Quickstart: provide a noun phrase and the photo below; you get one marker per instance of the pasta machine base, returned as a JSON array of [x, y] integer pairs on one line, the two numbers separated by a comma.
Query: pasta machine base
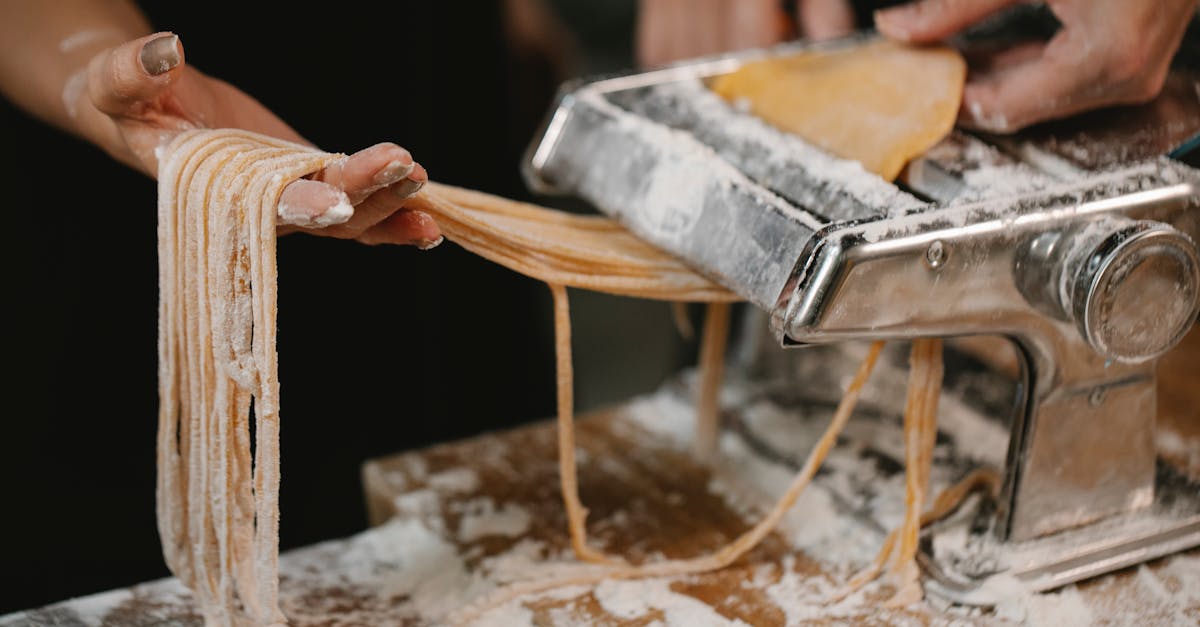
[[1076, 241]]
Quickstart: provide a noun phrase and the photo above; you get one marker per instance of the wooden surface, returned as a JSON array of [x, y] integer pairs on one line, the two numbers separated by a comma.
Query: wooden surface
[[458, 519]]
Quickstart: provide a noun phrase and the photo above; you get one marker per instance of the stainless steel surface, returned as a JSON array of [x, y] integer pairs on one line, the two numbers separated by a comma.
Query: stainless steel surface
[[1085, 450], [974, 572], [1087, 263], [1134, 293]]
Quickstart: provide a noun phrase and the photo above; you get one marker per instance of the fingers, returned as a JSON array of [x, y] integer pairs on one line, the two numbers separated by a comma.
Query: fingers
[[122, 81], [379, 218], [751, 24], [671, 30], [926, 21], [1024, 87], [825, 19], [368, 171], [1058, 82], [380, 205], [406, 226], [313, 204]]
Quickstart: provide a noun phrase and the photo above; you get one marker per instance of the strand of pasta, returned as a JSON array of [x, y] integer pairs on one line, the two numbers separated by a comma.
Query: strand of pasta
[[528, 239], [713, 561], [711, 372], [576, 512], [920, 433], [217, 509], [947, 501], [217, 270]]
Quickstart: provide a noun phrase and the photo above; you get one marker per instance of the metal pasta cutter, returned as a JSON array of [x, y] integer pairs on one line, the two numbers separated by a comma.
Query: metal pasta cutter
[[1076, 241]]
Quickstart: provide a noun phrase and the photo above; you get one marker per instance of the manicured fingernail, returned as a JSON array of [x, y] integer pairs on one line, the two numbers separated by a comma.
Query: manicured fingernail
[[427, 244], [408, 187], [337, 214], [303, 216], [983, 121], [160, 55], [393, 171]]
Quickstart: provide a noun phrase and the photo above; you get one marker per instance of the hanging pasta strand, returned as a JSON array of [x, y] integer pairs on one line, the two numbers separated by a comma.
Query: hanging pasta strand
[[576, 512], [920, 433], [711, 372], [720, 558], [217, 508]]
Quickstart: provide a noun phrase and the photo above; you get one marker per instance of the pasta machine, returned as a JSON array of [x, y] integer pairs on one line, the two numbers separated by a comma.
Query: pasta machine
[[1077, 241]]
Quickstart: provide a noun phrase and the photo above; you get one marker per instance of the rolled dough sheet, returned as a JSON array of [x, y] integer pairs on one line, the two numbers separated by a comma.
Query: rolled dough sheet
[[880, 103]]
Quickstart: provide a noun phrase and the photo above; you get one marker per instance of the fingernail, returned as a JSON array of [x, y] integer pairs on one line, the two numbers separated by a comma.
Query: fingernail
[[337, 214], [160, 55], [982, 121], [302, 215], [392, 172], [427, 244], [408, 187]]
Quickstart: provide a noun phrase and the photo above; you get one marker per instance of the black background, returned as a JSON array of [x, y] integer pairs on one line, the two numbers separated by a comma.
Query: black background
[[381, 349]]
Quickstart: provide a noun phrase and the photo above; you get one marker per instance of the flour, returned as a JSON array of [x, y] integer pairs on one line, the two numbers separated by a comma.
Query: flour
[[482, 518], [460, 480], [73, 89], [632, 600], [834, 188], [415, 569], [87, 37]]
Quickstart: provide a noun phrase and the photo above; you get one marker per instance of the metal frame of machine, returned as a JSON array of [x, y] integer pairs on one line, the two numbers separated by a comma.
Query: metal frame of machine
[[1089, 266]]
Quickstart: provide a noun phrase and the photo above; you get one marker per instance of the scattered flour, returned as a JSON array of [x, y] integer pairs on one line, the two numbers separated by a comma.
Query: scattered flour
[[632, 600], [482, 518], [460, 480]]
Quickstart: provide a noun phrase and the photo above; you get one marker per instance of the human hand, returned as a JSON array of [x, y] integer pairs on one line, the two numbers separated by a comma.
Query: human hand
[[134, 98], [1108, 52], [670, 30]]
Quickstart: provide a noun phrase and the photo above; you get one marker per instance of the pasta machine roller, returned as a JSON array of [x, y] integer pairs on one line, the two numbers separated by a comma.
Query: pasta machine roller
[[1076, 240]]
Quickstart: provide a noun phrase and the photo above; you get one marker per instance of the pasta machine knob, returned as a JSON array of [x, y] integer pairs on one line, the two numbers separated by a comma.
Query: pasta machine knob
[[1133, 287]]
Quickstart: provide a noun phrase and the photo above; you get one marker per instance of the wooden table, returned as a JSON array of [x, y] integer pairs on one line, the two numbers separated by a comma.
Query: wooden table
[[455, 519]]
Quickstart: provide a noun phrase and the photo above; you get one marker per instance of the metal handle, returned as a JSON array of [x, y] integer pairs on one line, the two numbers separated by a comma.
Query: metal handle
[[1131, 287]]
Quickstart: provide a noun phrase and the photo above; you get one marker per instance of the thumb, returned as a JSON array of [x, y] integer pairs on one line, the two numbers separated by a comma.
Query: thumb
[[123, 79], [924, 21]]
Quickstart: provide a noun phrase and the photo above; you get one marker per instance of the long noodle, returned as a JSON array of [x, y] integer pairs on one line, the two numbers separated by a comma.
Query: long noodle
[[946, 502], [576, 512], [587, 252], [920, 433], [218, 512], [711, 372], [218, 190], [218, 509], [721, 558]]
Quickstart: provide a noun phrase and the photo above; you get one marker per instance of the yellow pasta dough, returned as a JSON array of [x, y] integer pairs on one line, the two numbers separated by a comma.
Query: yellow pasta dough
[[880, 103]]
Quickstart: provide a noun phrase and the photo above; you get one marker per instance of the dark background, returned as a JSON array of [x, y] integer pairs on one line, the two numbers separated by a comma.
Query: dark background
[[381, 349]]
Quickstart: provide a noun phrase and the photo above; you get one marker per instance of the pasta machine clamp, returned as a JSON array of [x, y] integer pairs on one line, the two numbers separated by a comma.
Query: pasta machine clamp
[[1076, 241]]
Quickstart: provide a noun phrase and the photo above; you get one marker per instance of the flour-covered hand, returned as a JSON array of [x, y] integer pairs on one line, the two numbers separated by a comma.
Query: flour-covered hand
[[1107, 52], [142, 93]]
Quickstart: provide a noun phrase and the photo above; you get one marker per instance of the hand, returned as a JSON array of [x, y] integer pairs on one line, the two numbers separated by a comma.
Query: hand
[[670, 30], [1108, 52], [139, 95]]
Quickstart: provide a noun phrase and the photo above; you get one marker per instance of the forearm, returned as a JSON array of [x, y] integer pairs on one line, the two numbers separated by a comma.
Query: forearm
[[45, 47]]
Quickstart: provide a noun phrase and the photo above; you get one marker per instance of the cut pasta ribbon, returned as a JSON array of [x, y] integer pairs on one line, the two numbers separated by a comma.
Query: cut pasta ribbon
[[218, 513]]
